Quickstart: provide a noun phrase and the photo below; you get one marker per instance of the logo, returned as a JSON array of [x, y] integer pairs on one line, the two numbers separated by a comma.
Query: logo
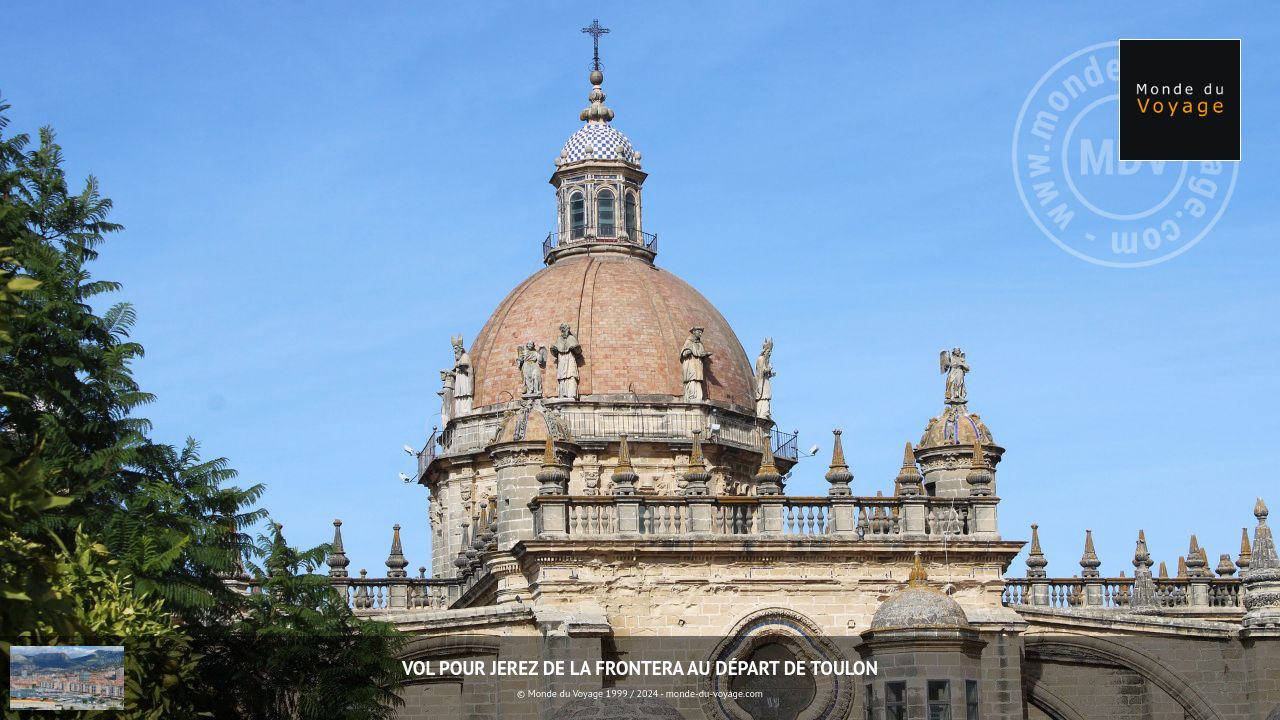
[[1083, 197]]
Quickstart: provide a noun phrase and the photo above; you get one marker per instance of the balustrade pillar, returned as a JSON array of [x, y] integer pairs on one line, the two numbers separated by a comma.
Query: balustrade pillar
[[628, 507], [841, 520], [915, 509], [552, 513], [983, 518]]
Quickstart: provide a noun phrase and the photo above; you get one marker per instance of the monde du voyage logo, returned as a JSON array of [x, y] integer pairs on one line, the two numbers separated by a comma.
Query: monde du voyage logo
[[1124, 152]]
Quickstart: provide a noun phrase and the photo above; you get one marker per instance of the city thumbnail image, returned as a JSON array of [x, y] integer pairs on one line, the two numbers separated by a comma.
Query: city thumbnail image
[[68, 677]]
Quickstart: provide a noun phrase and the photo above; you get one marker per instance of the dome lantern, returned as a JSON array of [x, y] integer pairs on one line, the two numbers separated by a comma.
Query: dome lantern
[[598, 183]]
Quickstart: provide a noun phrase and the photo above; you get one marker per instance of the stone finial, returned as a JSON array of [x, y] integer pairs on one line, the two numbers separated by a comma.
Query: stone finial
[[1225, 568], [624, 476], [1036, 561], [838, 473], [1143, 596], [979, 477], [768, 479], [1182, 567], [461, 561], [1164, 571], [909, 482], [918, 577], [695, 471], [395, 560], [1196, 564], [1089, 561], [1264, 546], [1246, 553], [552, 479], [337, 560]]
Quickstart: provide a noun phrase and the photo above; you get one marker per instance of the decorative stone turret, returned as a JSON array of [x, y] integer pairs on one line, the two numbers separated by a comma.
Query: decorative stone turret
[[945, 451], [337, 560], [979, 477], [1262, 580], [1036, 561], [552, 479], [1196, 564], [838, 474], [768, 479], [910, 482], [1246, 553]]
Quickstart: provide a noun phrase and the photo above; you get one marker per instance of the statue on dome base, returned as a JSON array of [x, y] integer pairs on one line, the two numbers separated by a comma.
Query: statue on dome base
[[447, 378], [764, 380], [566, 350], [463, 384], [952, 363], [693, 359], [531, 360]]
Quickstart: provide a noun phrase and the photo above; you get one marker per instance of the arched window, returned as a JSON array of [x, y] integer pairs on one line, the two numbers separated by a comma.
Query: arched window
[[632, 217], [577, 216], [605, 215]]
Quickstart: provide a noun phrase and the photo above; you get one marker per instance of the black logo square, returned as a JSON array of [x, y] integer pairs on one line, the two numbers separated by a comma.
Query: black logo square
[[1179, 99]]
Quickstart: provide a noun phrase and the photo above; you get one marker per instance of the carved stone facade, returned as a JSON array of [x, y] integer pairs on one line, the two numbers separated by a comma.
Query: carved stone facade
[[624, 496]]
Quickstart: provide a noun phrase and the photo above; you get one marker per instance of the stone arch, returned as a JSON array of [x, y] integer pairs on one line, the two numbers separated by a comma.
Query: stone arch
[[1148, 666], [1050, 704], [799, 634]]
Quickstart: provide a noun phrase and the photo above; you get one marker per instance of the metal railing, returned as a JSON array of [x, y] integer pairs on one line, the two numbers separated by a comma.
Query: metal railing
[[616, 234]]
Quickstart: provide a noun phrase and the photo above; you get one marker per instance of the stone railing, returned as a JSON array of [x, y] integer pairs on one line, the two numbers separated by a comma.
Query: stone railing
[[371, 595], [861, 518], [1116, 593]]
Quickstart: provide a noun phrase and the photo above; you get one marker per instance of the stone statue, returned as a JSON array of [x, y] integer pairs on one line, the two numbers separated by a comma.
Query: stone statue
[[447, 378], [531, 360], [566, 350], [693, 359], [463, 383], [952, 363], [764, 380]]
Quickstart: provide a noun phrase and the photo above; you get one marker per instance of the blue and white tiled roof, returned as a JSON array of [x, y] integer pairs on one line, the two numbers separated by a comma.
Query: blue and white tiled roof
[[598, 141]]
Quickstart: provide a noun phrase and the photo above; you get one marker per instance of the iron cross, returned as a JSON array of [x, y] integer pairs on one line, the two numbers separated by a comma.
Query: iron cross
[[595, 31]]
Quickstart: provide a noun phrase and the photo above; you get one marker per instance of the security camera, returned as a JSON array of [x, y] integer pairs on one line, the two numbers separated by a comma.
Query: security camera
[[410, 450], [814, 450], [405, 478]]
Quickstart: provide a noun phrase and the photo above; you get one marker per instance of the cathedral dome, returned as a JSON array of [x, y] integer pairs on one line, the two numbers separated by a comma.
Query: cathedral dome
[[955, 426], [919, 606], [631, 318], [598, 141]]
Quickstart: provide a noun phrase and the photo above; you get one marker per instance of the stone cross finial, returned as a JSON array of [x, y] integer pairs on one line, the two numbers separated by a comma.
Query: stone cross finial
[[337, 560], [909, 481], [395, 560], [768, 479], [1089, 561], [695, 471], [624, 476], [1036, 561], [838, 474], [1246, 553]]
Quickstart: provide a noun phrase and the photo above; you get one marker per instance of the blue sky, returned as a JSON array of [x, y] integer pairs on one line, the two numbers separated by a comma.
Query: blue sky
[[317, 195]]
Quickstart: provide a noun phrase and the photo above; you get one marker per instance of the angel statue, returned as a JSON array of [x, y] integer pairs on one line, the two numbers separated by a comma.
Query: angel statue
[[463, 384], [566, 350], [531, 360], [764, 380], [952, 363]]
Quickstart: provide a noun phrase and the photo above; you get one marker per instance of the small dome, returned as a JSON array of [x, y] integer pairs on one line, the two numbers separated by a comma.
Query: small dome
[[598, 141], [919, 607], [955, 426]]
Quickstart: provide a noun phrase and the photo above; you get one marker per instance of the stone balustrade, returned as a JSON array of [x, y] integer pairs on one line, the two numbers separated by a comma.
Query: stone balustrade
[[862, 518], [1117, 593], [371, 595]]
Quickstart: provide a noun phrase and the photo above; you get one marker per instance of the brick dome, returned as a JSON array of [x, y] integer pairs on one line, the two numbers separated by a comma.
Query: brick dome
[[631, 319]]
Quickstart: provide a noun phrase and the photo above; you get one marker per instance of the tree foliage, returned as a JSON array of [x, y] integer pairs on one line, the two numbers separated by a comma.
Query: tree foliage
[[107, 536]]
